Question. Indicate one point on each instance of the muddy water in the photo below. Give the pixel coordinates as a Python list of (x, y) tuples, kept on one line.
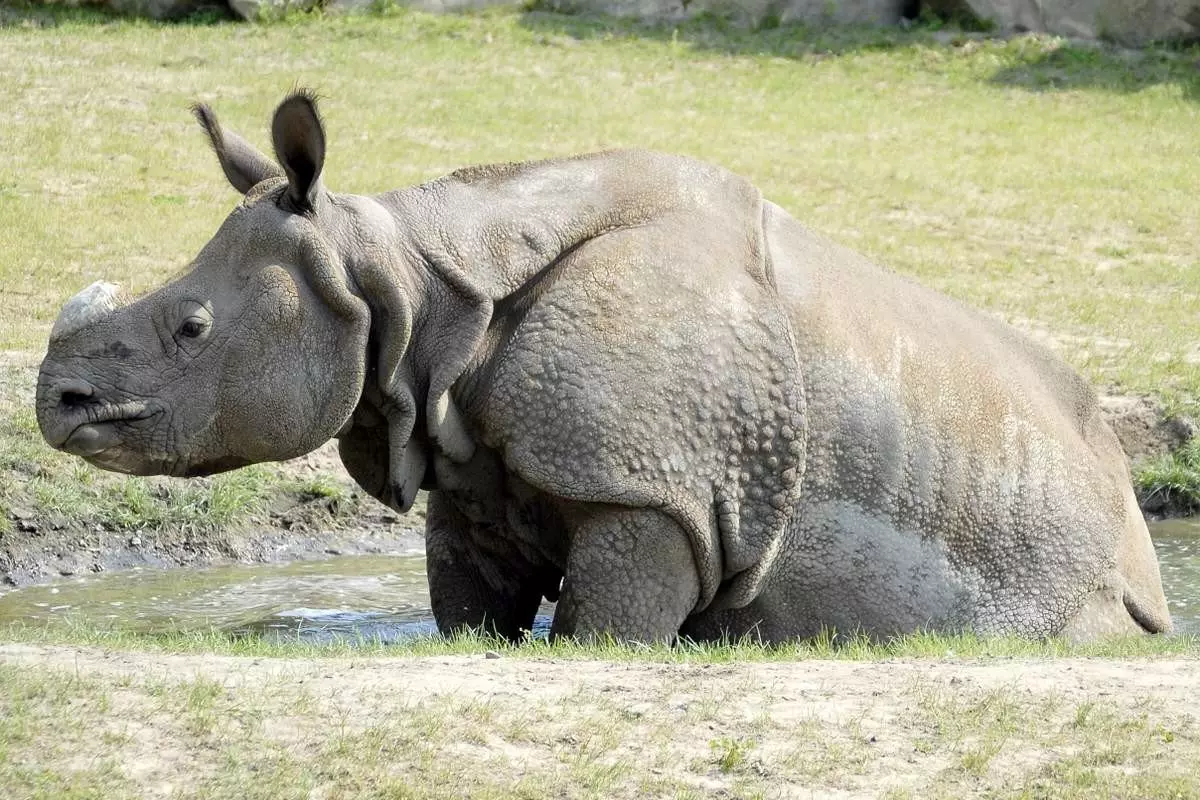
[(1178, 545), (367, 597), (383, 597)]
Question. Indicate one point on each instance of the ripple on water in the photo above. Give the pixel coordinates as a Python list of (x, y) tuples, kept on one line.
[(1177, 543), (351, 598), (372, 598), (384, 596)]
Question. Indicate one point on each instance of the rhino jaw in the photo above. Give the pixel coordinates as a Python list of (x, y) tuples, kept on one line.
[(93, 303)]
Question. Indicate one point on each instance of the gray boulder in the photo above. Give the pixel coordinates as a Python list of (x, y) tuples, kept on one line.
[(1129, 22)]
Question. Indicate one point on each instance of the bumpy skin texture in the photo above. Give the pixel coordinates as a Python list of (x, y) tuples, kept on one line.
[(627, 379)]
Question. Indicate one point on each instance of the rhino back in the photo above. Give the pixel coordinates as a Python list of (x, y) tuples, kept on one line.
[(948, 457)]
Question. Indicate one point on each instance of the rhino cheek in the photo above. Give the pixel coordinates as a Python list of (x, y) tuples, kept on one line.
[(269, 406)]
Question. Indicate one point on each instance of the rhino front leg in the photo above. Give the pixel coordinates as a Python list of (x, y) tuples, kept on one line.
[(630, 574), (470, 589)]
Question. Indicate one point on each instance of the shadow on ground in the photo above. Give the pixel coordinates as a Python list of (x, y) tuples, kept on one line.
[(50, 14), (1071, 67), (720, 35), (1033, 62)]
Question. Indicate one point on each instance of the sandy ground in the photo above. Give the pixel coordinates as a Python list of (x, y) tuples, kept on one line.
[(899, 728)]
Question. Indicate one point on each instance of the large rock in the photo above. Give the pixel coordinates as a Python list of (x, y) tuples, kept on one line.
[(1126, 21), (876, 12)]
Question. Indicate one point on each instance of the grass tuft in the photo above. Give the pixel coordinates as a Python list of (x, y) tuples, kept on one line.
[(913, 646), (87, 497), (1173, 479), (730, 753)]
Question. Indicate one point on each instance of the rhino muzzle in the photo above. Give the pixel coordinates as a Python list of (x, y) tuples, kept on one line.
[(75, 415)]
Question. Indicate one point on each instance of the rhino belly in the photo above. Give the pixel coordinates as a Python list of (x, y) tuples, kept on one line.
[(851, 571), (854, 570)]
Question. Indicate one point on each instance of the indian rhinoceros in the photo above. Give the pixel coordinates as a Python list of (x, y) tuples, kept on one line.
[(631, 384)]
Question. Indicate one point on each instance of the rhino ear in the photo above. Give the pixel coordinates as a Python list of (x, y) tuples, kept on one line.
[(299, 141), (243, 165)]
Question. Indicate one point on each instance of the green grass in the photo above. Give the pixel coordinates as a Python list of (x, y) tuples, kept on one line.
[(1050, 183), (1173, 478), (30, 704), (830, 646), (85, 723), (63, 491)]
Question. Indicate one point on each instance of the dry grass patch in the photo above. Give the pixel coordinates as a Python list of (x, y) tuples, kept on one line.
[(478, 727)]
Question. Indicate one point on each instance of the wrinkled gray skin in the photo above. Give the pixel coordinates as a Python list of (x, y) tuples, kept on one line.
[(629, 375)]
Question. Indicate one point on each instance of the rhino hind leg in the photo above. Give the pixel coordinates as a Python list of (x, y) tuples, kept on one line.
[(1130, 600), (1107, 611), (630, 574)]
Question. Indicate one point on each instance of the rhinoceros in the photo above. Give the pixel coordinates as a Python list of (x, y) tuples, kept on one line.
[(629, 383)]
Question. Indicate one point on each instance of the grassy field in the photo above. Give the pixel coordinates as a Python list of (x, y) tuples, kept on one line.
[(1050, 183), (83, 723), (1053, 184), (831, 646)]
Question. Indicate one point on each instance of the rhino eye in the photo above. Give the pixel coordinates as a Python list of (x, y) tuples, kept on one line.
[(192, 328)]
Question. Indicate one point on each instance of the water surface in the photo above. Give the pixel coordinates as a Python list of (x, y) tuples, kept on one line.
[(376, 597), (1178, 545)]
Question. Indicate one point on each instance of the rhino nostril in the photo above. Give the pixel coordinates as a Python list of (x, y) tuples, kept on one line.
[(74, 398), (74, 394)]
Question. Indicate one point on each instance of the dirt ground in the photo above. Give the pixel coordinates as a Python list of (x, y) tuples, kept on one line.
[(485, 726)]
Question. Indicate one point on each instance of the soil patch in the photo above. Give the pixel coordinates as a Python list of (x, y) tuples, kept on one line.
[(482, 726), (1143, 426)]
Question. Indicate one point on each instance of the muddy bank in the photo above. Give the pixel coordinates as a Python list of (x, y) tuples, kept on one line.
[(293, 525)]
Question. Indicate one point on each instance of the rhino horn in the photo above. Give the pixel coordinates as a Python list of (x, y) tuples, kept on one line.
[(90, 305)]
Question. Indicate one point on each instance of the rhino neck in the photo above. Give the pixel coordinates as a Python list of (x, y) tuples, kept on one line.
[(490, 237), (441, 262), (425, 328)]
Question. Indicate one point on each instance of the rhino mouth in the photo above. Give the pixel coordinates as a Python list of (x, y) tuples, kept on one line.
[(100, 428)]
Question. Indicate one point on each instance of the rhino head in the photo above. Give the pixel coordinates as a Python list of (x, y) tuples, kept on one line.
[(255, 353)]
